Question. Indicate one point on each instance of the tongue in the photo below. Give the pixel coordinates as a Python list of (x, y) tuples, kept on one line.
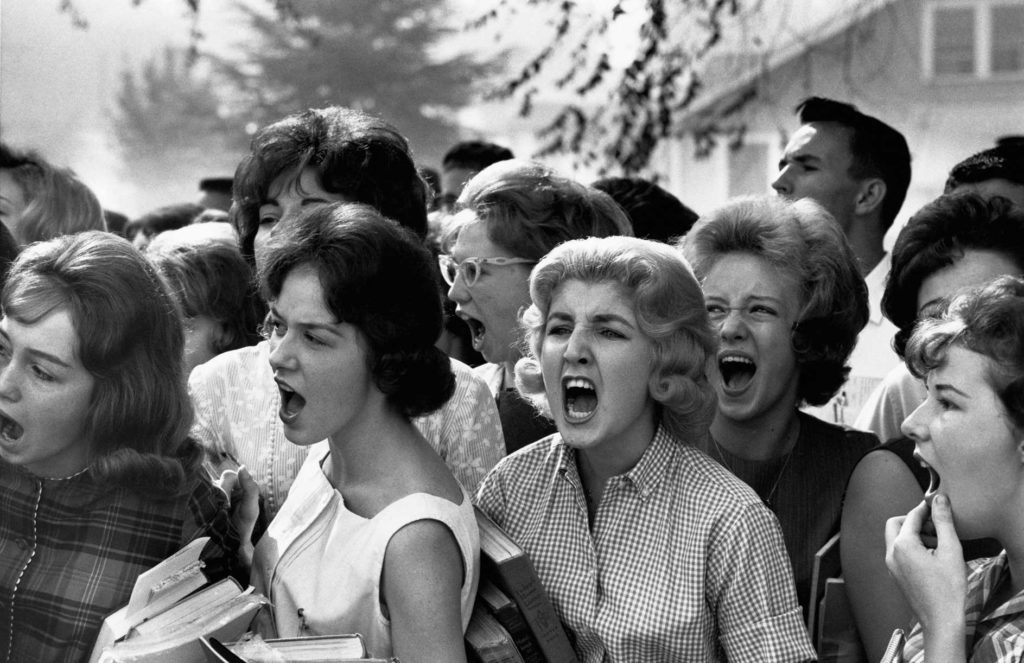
[(292, 404), (11, 429), (737, 378), (581, 400)]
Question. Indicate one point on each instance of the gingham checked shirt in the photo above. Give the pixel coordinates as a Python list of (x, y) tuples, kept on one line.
[(683, 563), (993, 637), (71, 550)]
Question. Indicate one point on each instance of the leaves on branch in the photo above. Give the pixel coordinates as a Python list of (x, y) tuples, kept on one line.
[(622, 107)]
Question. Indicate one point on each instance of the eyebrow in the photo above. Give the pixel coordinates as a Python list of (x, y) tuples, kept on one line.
[(34, 352), (599, 318), (942, 387), (325, 326)]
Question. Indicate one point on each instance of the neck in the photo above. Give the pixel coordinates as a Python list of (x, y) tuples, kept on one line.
[(771, 435), (508, 380), (596, 466), (865, 236), (363, 450), (1012, 538)]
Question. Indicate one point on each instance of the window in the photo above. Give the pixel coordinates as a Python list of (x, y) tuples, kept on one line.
[(973, 38), (954, 40), (1007, 38)]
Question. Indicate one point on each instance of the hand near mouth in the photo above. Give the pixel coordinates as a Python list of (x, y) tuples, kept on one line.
[(934, 581)]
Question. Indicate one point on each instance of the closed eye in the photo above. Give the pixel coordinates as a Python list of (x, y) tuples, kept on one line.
[(41, 374)]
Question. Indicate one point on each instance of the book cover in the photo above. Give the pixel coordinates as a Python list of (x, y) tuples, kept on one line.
[(507, 565), (314, 649), (170, 607)]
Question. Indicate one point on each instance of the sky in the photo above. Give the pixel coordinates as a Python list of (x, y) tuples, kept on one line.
[(58, 83)]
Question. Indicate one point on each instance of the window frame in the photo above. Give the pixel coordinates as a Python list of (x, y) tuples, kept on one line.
[(982, 10)]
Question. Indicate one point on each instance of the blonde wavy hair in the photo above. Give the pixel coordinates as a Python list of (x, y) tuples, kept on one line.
[(669, 309)]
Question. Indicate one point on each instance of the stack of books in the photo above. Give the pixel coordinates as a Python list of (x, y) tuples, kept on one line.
[(513, 620)]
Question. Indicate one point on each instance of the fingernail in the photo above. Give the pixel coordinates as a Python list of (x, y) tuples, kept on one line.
[(940, 499)]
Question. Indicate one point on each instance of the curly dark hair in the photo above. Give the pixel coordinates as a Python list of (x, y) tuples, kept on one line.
[(802, 239), (380, 278), (988, 320), (654, 212), (937, 236), (356, 155)]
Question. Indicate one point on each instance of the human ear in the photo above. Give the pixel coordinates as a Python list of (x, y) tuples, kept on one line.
[(870, 196)]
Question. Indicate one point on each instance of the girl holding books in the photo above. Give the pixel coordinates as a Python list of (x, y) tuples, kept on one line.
[(99, 480), (376, 536), (648, 549)]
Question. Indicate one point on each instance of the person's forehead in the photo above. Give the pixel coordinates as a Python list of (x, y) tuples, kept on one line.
[(996, 186), (825, 140), (474, 241)]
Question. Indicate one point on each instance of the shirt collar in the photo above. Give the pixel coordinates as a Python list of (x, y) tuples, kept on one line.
[(995, 574), (644, 476)]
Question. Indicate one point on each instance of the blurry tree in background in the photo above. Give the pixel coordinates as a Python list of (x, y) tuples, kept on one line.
[(169, 121), (379, 56), (616, 101)]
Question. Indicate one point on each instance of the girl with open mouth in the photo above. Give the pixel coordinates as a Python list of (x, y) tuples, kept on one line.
[(784, 291), (635, 533), (970, 432), (376, 536), (99, 479)]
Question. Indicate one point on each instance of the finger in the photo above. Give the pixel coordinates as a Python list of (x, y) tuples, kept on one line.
[(942, 517), (892, 530), (916, 518)]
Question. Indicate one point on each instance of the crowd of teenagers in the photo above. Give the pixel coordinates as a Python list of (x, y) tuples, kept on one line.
[(330, 362)]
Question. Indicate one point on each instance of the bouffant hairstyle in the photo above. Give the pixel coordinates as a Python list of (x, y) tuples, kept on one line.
[(801, 239), (57, 202), (669, 310), (130, 339), (378, 277), (878, 150), (213, 280), (531, 210), (936, 237), (356, 155), (988, 320)]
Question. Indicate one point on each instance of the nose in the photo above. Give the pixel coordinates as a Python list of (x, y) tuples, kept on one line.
[(915, 426), (577, 349), (10, 390), (733, 325), (782, 184), (281, 355), (457, 291)]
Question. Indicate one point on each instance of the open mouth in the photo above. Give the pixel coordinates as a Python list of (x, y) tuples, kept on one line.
[(933, 479), (10, 430), (477, 331), (736, 370), (291, 403), (579, 399)]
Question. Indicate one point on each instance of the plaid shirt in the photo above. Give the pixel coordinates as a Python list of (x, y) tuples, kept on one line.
[(683, 562), (993, 637), (71, 550)]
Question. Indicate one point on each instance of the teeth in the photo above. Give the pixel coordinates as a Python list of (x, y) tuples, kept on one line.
[(732, 359), (579, 383)]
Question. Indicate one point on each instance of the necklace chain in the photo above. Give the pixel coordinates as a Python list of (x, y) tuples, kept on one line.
[(778, 476)]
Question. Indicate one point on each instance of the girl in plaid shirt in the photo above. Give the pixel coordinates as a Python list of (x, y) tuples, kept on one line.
[(970, 432), (99, 480)]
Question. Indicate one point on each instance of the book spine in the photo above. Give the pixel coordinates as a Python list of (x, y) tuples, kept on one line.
[(517, 578)]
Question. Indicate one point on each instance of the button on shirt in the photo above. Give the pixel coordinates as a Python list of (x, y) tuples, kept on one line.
[(683, 562), (995, 637)]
